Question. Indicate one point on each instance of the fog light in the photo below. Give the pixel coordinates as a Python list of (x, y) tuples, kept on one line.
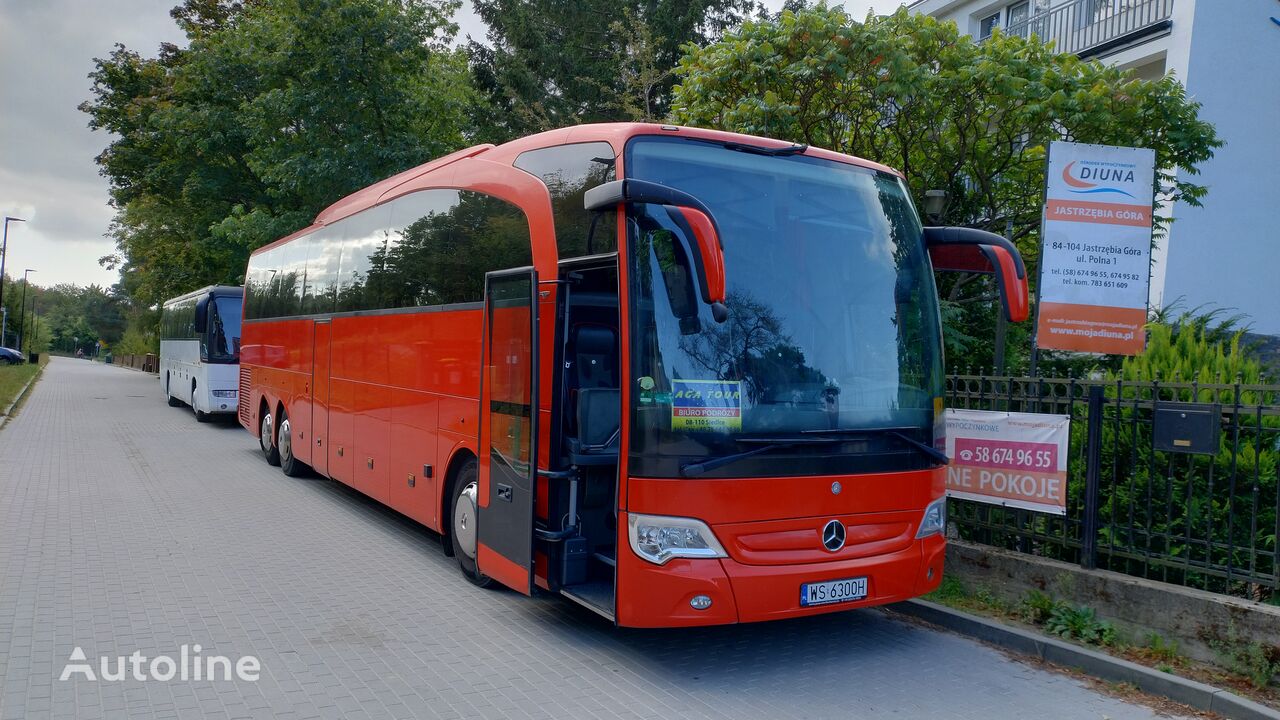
[(700, 602)]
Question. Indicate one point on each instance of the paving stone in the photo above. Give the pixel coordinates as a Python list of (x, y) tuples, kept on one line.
[(125, 525)]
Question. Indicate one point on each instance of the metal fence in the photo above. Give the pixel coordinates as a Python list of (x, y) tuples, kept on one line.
[(1208, 521), (1090, 26)]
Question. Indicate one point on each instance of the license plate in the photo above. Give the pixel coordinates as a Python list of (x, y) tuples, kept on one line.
[(833, 591)]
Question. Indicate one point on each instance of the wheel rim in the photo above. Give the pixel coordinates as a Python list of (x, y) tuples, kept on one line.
[(286, 444), (464, 520), (264, 433), (194, 409)]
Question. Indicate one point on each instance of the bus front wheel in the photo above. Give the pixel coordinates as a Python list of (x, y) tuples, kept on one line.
[(200, 416), (265, 431), (292, 466), (462, 525)]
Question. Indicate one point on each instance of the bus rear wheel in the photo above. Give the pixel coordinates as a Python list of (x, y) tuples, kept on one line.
[(462, 523), (292, 466), (173, 401), (265, 431)]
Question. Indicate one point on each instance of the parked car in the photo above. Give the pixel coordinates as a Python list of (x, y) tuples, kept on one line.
[(11, 357)]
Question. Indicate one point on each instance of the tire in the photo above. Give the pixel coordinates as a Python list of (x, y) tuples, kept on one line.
[(173, 401), (292, 466), (200, 416), (266, 428), (462, 523)]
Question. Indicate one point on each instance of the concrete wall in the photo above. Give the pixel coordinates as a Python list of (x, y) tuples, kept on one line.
[(1192, 617)]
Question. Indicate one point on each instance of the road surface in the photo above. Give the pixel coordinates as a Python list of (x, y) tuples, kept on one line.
[(126, 526)]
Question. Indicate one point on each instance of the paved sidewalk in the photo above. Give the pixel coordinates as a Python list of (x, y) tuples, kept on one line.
[(125, 525)]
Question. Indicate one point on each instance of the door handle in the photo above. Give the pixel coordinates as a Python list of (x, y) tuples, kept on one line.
[(504, 492)]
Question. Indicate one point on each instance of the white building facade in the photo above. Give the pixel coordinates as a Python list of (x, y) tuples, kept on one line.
[(1225, 254)]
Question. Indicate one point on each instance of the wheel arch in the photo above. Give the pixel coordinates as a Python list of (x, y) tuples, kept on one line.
[(460, 455)]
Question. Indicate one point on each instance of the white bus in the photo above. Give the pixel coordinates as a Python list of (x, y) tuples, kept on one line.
[(200, 350)]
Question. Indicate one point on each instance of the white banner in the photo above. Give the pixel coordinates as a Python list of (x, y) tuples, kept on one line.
[(1095, 266), (1012, 459)]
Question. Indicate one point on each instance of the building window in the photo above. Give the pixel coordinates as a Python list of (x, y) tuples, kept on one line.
[(1018, 12), (987, 24)]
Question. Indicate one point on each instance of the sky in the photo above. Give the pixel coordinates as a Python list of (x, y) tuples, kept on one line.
[(47, 173)]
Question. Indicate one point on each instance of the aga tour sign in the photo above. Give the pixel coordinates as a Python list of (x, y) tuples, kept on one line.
[(1096, 250)]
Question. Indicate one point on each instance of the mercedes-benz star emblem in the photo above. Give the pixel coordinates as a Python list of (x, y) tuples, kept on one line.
[(835, 488), (833, 535)]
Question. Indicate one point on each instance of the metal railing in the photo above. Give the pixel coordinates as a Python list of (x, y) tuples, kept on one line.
[(1205, 521), (1085, 27)]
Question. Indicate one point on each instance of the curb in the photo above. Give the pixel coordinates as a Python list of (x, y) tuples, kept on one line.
[(21, 394), (1100, 665)]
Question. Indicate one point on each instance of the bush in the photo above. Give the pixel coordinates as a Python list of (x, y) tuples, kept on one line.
[(1080, 624)]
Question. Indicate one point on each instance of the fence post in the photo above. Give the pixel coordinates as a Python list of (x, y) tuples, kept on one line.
[(1093, 472)]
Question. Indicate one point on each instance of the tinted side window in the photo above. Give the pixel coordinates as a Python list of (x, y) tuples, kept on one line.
[(324, 253), (256, 280), (568, 171), (365, 237), (445, 241)]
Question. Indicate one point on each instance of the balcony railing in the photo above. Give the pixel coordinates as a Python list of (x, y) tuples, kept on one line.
[(1088, 27)]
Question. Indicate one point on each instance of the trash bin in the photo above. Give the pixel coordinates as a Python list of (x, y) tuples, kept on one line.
[(107, 359), (33, 358)]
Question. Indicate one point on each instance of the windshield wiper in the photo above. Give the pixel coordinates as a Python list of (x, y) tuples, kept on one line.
[(766, 444), (896, 432), (796, 149)]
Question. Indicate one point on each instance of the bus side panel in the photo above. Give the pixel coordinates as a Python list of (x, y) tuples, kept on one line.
[(341, 429), (373, 440), (295, 383), (413, 446)]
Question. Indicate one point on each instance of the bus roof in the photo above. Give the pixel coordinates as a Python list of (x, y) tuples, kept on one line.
[(617, 134), (215, 290)]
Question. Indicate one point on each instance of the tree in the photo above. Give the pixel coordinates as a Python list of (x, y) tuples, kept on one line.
[(551, 63), (971, 118), (275, 110)]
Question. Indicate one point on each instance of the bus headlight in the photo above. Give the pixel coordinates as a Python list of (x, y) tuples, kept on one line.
[(657, 538), (224, 393), (934, 520)]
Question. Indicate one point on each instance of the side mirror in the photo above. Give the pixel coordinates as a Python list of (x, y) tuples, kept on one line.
[(690, 215), (960, 249), (201, 322)]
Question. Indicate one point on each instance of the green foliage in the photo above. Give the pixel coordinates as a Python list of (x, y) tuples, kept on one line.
[(276, 109), (1158, 648), (136, 341), (971, 118), (69, 316), (1249, 658), (1082, 624), (1228, 498), (551, 64), (1038, 607), (1194, 348), (949, 591)]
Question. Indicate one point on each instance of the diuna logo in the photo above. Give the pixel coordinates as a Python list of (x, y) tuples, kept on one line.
[(1103, 174)]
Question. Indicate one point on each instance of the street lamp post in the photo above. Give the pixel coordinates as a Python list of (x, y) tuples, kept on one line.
[(35, 330), (22, 311), (4, 251)]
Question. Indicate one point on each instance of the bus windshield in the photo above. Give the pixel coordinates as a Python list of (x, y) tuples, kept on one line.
[(224, 329), (833, 330)]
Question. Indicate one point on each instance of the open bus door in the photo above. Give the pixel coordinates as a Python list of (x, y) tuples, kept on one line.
[(508, 429)]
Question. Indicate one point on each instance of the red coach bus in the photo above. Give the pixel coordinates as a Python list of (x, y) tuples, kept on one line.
[(682, 377)]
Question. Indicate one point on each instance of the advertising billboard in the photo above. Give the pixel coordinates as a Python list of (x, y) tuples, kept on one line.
[(1095, 263), (1007, 458)]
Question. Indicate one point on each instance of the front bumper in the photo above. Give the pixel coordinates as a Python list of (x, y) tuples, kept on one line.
[(659, 596)]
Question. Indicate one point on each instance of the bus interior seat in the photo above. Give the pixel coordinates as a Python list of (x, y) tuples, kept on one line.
[(597, 400)]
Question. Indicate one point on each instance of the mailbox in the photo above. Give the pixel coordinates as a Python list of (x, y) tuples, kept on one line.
[(1187, 427)]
